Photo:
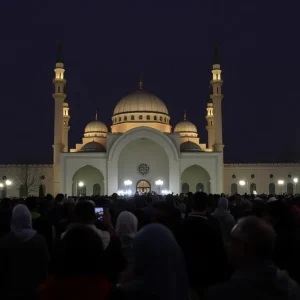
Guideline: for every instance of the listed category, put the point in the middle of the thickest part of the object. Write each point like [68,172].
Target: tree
[28,177]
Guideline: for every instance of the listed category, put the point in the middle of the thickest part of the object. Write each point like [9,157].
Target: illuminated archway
[85,179]
[143,186]
[195,174]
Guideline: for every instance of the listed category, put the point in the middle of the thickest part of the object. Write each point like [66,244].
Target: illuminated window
[132,117]
[140,117]
[64,122]
[148,117]
[125,118]
[155,118]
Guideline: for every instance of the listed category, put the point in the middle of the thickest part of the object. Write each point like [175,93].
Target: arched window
[272,188]
[185,188]
[233,188]
[125,118]
[120,119]
[65,123]
[140,117]
[22,191]
[290,188]
[200,187]
[42,190]
[58,89]
[96,189]
[148,117]
[165,119]
[252,188]
[160,119]
[132,118]
[155,118]
[115,120]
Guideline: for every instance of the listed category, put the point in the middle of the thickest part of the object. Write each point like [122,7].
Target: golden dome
[140,101]
[95,128]
[185,127]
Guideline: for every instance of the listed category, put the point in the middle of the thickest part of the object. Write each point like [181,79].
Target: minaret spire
[184,115]
[96,114]
[59,54]
[216,57]
[141,82]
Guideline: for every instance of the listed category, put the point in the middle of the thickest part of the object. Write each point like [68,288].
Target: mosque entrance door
[143,186]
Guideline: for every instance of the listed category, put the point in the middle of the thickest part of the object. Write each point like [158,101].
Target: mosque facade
[142,152]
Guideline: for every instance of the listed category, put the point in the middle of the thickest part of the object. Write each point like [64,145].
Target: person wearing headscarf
[225,218]
[159,267]
[23,257]
[126,229]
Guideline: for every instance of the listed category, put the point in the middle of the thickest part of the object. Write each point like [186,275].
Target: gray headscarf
[21,223]
[159,264]
[222,208]
[127,224]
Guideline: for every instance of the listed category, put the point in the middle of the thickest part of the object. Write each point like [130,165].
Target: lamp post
[281,183]
[127,184]
[159,183]
[242,183]
[295,181]
[81,185]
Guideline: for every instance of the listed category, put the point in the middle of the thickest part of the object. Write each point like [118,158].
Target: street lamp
[281,183]
[295,181]
[81,185]
[159,183]
[8,182]
[1,185]
[243,183]
[127,184]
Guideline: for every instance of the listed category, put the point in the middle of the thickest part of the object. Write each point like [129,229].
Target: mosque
[141,152]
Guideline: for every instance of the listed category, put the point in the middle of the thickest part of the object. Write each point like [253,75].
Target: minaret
[210,122]
[66,126]
[59,97]
[217,98]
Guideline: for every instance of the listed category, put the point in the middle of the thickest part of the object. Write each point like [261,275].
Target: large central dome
[138,109]
[140,101]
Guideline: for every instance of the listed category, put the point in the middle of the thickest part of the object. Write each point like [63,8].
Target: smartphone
[99,213]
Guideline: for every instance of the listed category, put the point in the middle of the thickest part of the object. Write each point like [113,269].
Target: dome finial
[96,114]
[141,82]
[184,115]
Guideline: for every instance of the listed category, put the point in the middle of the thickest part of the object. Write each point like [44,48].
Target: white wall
[262,176]
[15,173]
[148,152]
[71,162]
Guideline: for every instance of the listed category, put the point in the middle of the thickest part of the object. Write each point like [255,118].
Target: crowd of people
[177,247]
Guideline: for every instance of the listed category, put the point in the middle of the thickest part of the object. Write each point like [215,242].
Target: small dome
[92,147]
[189,146]
[185,126]
[140,101]
[95,126]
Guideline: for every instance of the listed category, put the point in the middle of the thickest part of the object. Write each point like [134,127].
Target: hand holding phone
[99,213]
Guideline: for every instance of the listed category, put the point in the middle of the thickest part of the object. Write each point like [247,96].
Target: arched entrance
[85,180]
[197,178]
[185,188]
[143,186]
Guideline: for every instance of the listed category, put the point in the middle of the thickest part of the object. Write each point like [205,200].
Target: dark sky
[107,44]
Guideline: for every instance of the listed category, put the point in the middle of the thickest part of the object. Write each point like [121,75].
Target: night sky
[107,44]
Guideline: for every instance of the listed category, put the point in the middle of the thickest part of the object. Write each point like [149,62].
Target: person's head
[246,205]
[80,252]
[199,202]
[252,242]
[127,224]
[21,223]
[223,204]
[85,212]
[59,199]
[159,263]
[149,200]
[31,203]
